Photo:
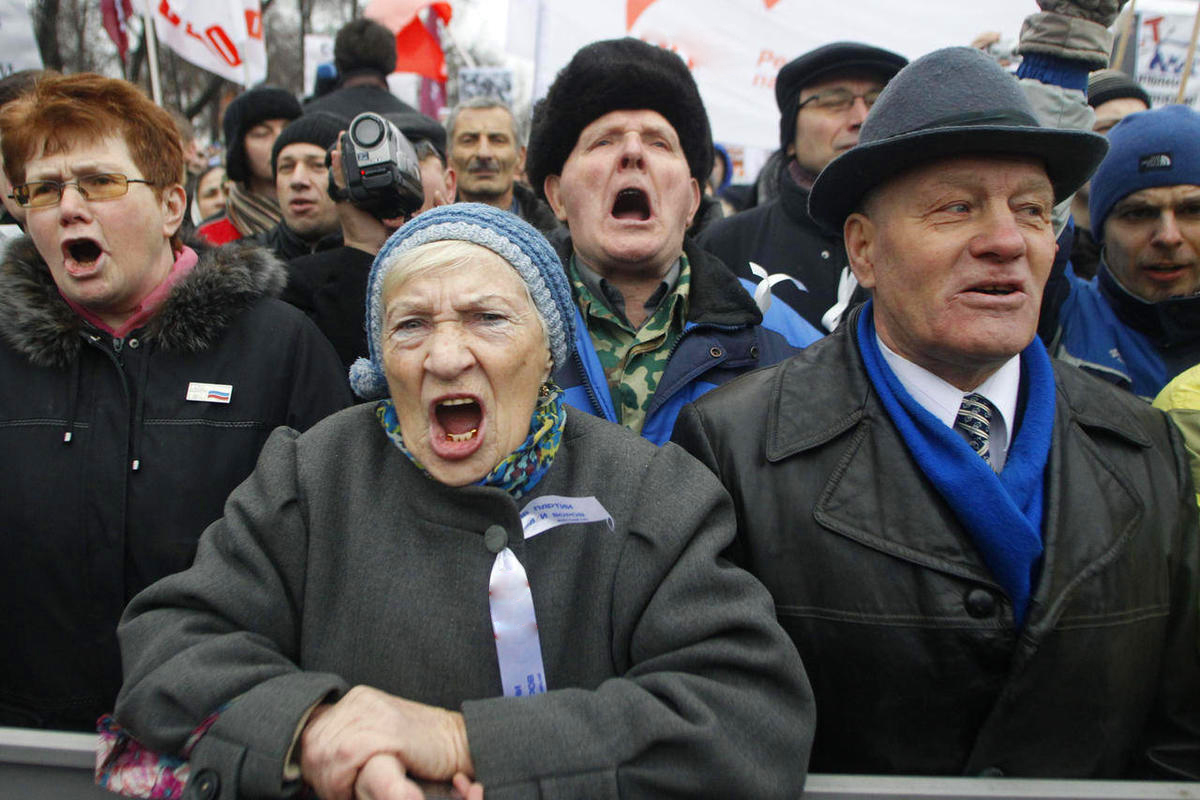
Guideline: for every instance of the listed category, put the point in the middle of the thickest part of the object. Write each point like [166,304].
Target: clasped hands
[370,745]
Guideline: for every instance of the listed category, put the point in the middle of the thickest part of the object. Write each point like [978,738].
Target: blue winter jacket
[1128,341]
[725,335]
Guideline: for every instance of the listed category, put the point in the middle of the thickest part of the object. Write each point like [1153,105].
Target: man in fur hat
[987,560]
[138,381]
[620,148]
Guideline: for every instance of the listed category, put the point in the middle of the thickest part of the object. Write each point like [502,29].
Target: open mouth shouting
[80,256]
[456,426]
[631,204]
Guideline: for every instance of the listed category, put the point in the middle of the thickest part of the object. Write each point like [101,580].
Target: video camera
[383,175]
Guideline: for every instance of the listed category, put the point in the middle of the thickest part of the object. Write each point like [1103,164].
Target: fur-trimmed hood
[38,323]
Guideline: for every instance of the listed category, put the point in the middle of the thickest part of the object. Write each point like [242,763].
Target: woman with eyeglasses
[138,381]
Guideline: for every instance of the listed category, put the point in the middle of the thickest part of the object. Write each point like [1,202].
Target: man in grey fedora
[987,560]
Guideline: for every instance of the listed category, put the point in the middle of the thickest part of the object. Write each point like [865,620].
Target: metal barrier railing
[54,765]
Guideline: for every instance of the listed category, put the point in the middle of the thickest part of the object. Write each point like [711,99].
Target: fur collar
[38,323]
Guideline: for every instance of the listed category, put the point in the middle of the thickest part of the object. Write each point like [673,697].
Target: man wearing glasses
[823,98]
[137,383]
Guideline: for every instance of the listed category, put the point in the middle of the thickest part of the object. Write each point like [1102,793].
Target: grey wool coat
[338,563]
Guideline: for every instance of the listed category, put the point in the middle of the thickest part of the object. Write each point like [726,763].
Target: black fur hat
[247,110]
[617,75]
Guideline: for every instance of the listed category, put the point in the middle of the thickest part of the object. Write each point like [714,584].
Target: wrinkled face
[822,134]
[106,255]
[485,154]
[1110,112]
[957,253]
[1152,242]
[464,355]
[258,142]
[301,178]
[210,196]
[627,194]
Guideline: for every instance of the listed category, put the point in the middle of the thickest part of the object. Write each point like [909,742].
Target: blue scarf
[1002,513]
[519,471]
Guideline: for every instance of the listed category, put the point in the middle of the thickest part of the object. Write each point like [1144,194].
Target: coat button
[754,351]
[980,603]
[496,538]
[134,343]
[825,254]
[716,352]
[207,783]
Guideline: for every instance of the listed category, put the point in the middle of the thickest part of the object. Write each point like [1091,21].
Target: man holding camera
[310,221]
[375,194]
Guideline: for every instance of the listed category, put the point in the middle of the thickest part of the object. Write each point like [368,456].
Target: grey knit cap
[506,235]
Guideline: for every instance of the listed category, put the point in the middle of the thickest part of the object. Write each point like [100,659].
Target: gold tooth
[462,437]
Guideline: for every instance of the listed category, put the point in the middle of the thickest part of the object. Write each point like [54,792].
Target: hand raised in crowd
[340,739]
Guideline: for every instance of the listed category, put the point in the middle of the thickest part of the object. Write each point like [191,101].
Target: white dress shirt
[943,399]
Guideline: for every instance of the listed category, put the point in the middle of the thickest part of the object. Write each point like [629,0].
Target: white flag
[221,36]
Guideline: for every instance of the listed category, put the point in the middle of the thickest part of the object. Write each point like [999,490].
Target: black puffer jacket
[110,472]
[909,642]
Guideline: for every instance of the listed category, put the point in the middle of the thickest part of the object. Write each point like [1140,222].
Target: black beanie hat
[247,110]
[827,61]
[316,127]
[363,45]
[617,75]
[1112,84]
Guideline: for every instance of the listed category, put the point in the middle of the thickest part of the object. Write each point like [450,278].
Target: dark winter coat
[780,236]
[908,639]
[110,473]
[667,673]
[331,287]
[534,211]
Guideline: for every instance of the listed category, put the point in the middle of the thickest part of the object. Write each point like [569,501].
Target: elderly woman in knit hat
[463,579]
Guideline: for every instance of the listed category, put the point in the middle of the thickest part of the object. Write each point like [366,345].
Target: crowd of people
[616,513]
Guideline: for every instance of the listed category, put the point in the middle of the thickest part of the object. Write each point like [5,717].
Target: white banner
[221,36]
[735,47]
[18,47]
[1162,45]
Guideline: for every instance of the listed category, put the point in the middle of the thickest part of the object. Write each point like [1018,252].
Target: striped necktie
[974,423]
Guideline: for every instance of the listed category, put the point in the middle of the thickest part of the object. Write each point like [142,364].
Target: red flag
[116,14]
[417,49]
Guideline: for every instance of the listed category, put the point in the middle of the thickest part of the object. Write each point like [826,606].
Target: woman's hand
[338,740]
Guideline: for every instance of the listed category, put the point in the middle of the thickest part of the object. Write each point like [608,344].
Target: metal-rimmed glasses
[840,99]
[102,186]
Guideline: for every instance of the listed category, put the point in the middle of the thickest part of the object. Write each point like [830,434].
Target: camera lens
[367,132]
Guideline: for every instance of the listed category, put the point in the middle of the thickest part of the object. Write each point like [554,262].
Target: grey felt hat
[951,102]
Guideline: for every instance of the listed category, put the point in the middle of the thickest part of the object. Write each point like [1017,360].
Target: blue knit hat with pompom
[506,235]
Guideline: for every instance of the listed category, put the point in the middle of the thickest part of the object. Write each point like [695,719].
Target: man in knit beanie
[1113,95]
[1137,323]
[250,125]
[310,219]
[823,98]
[619,148]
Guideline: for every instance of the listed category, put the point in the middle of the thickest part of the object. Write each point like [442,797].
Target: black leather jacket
[909,642]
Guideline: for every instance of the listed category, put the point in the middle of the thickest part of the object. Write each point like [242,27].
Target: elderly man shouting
[962,537]
[619,148]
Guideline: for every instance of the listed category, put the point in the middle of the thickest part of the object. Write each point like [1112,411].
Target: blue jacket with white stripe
[725,336]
